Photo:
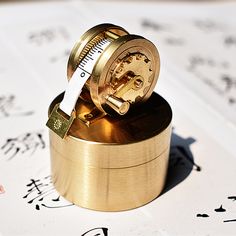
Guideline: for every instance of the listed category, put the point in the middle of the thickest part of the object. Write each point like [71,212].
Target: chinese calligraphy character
[26,143]
[207,25]
[230,87]
[41,193]
[224,83]
[48,35]
[8,107]
[152,25]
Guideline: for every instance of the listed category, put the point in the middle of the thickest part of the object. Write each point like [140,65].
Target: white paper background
[35,40]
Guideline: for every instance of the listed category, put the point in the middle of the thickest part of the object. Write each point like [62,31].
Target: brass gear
[132,77]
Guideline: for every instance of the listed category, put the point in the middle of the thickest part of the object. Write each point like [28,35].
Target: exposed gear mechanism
[132,77]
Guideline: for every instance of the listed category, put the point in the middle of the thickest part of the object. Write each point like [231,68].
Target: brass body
[118,160]
[117,163]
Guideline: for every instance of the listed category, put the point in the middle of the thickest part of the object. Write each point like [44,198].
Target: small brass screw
[138,83]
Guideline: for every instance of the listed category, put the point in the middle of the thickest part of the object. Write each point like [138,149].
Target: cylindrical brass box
[117,163]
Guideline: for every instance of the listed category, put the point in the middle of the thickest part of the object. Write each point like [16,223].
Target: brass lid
[139,124]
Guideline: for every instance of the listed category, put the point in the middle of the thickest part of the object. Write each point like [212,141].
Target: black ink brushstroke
[8,107]
[207,25]
[174,41]
[104,232]
[40,194]
[202,215]
[145,23]
[25,143]
[232,100]
[220,209]
[232,198]
[47,35]
[230,41]
[43,195]
[226,221]
[52,207]
[229,82]
[35,185]
[56,199]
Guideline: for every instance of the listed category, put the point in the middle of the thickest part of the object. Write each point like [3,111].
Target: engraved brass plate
[59,123]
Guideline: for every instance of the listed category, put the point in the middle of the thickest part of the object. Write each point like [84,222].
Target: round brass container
[117,163]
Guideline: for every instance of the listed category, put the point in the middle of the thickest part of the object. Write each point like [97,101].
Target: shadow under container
[117,163]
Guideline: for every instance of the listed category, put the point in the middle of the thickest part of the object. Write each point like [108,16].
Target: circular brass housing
[118,163]
[126,71]
[119,52]
[87,41]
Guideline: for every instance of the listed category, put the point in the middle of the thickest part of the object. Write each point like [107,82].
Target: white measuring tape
[80,76]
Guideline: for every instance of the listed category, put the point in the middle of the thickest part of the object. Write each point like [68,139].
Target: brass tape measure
[115,154]
[110,68]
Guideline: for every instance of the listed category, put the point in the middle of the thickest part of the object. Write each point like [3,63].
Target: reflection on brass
[118,104]
[127,69]
[115,154]
[117,163]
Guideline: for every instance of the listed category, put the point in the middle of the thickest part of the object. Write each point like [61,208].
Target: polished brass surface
[127,69]
[118,104]
[118,162]
[110,154]
[59,122]
[88,40]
